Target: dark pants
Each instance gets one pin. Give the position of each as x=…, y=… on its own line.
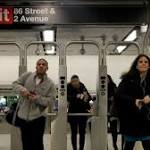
x=75, y=124
x=114, y=133
x=130, y=145
x=32, y=134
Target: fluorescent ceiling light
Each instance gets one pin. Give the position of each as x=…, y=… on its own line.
x=49, y=36
x=121, y=48
x=132, y=36
x=144, y=28
x=50, y=51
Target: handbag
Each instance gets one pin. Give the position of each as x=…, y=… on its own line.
x=11, y=116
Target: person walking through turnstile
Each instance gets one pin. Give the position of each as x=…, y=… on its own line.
x=37, y=92
x=78, y=102
x=133, y=103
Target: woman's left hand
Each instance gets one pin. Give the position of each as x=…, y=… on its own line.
x=146, y=100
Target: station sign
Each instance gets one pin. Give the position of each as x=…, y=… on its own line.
x=27, y=15
x=39, y=15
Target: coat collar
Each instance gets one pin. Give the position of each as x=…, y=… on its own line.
x=43, y=79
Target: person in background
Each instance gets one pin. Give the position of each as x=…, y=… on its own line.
x=78, y=102
x=111, y=110
x=133, y=103
x=37, y=92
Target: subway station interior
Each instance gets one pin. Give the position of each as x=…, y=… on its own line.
x=87, y=38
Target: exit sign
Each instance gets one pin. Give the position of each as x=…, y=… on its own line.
x=6, y=15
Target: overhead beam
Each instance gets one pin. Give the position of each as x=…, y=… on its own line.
x=80, y=2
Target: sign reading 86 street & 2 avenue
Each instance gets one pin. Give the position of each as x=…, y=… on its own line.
x=25, y=15
x=39, y=15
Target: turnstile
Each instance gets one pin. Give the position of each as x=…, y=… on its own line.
x=15, y=142
x=99, y=120
x=123, y=43
x=99, y=116
x=58, y=133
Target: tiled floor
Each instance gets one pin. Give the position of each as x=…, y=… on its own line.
x=5, y=142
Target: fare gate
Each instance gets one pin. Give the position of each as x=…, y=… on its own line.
x=99, y=120
x=58, y=133
x=14, y=131
x=99, y=116
x=59, y=129
x=15, y=141
x=136, y=44
x=21, y=54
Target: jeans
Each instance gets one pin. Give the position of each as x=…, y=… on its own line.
x=75, y=124
x=32, y=134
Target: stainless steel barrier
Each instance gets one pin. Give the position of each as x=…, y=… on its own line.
x=99, y=59
x=81, y=114
x=58, y=133
x=21, y=56
x=21, y=70
x=125, y=43
x=99, y=121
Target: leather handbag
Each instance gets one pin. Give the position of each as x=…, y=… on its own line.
x=11, y=116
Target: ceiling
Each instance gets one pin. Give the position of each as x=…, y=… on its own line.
x=112, y=32
x=65, y=34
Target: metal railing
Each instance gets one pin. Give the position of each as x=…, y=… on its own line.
x=122, y=43
x=21, y=56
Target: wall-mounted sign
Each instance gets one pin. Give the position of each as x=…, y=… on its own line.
x=38, y=15
x=26, y=15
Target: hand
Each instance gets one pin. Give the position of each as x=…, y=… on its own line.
x=89, y=111
x=33, y=97
x=25, y=93
x=86, y=96
x=139, y=103
x=80, y=96
x=146, y=100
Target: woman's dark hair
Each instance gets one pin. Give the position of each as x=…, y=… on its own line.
x=133, y=69
x=74, y=77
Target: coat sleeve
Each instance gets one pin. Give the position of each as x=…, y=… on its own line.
x=18, y=85
x=123, y=99
x=89, y=97
x=85, y=89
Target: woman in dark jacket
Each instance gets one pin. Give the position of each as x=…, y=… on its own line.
x=133, y=103
x=78, y=102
